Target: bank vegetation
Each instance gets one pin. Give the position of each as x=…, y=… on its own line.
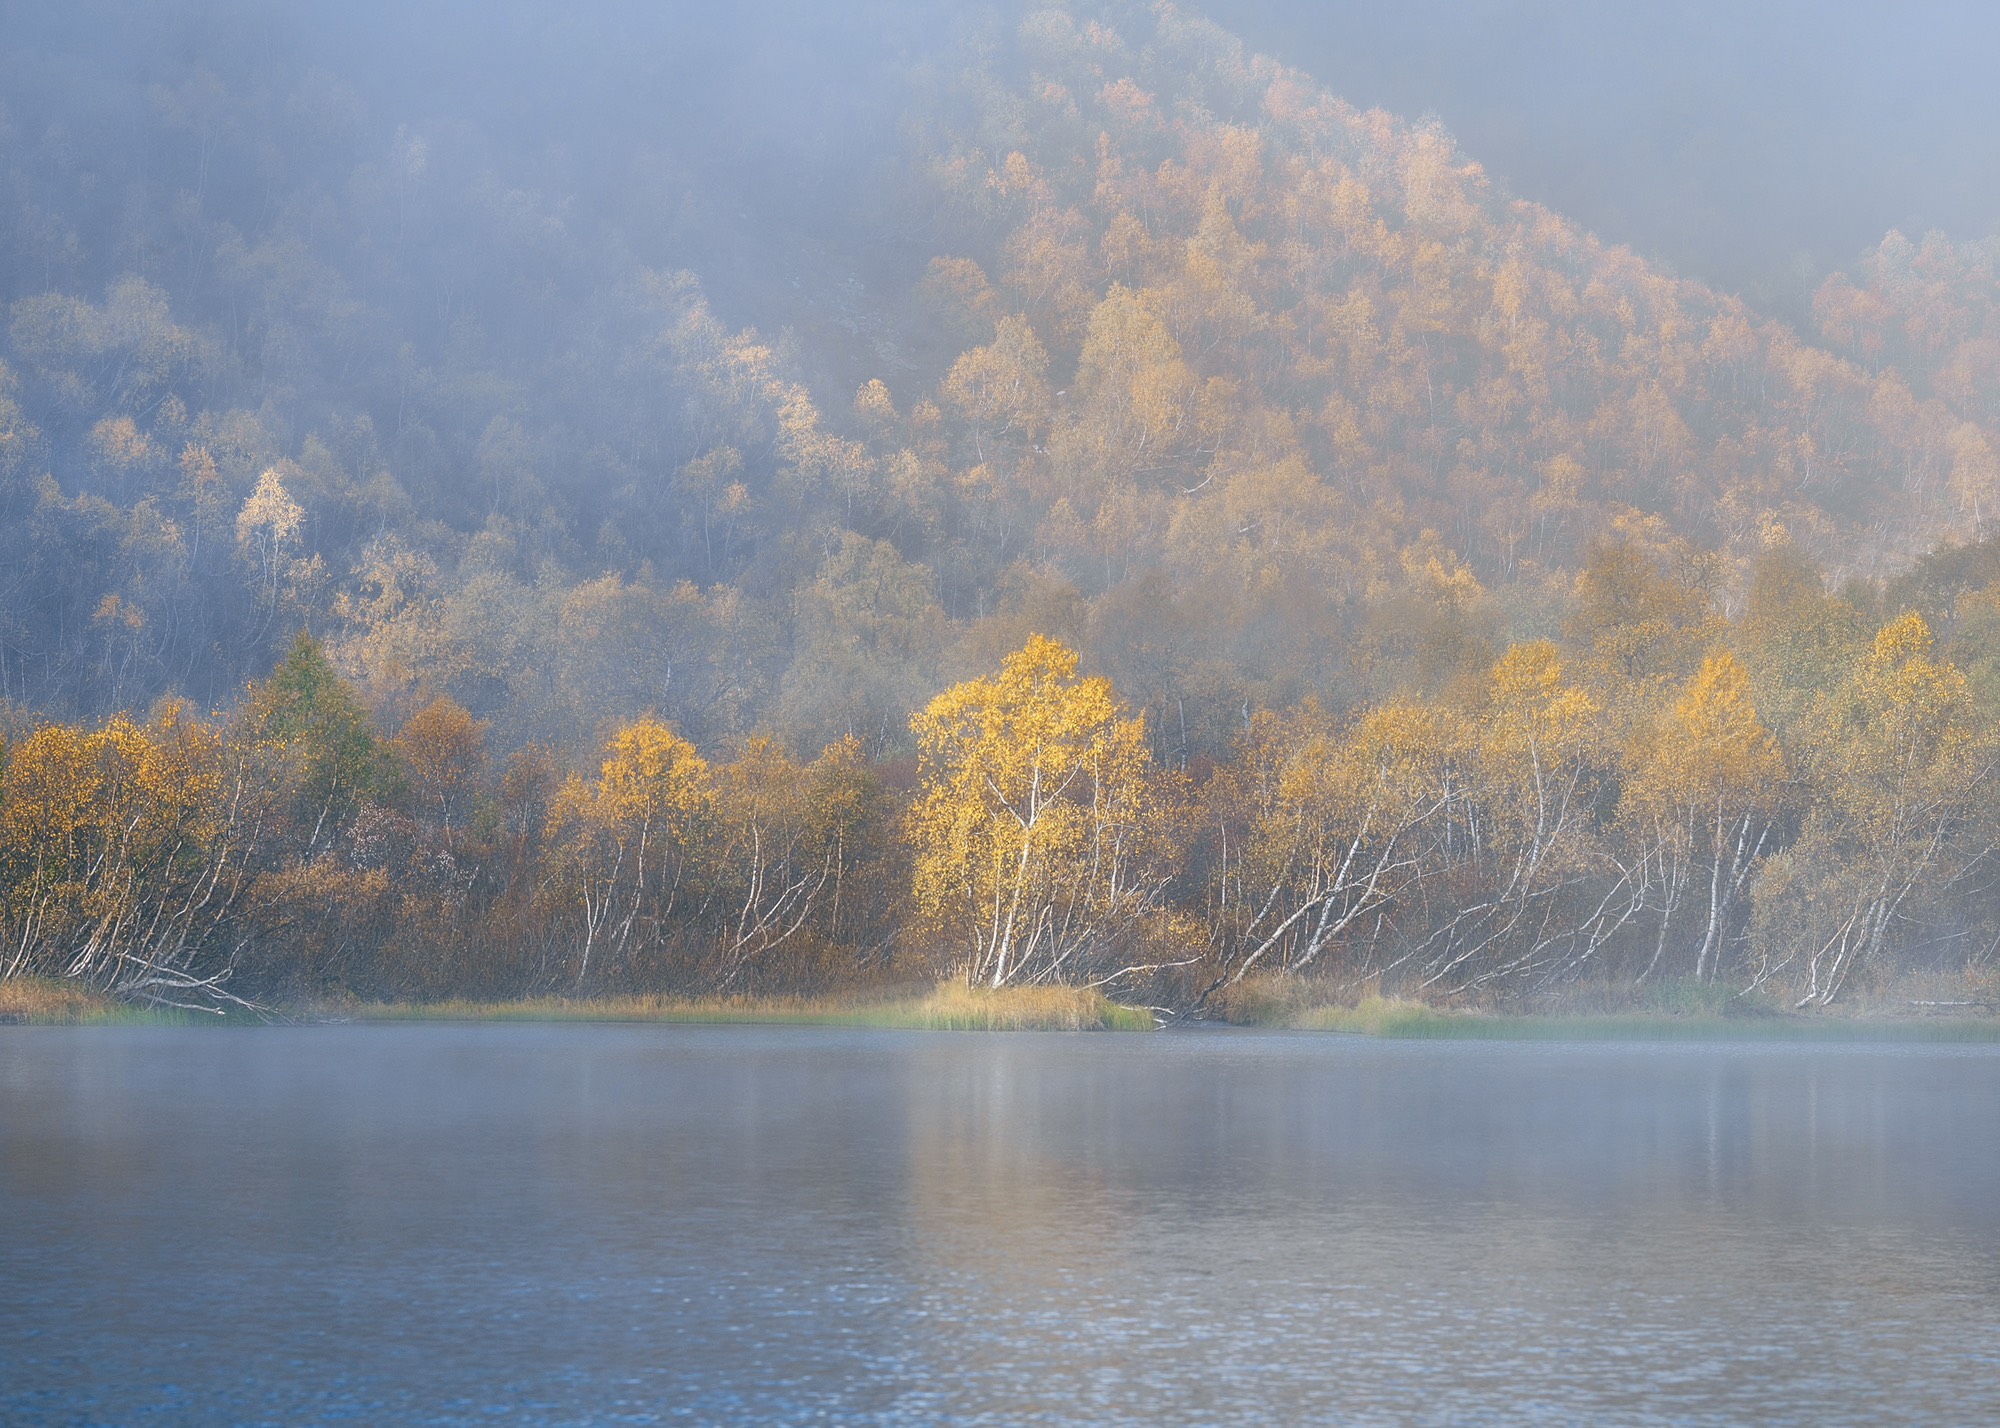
x=1793, y=809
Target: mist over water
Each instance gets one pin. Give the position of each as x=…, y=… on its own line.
x=618, y=503
x=652, y=1225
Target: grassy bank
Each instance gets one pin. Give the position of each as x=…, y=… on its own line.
x=39, y=1001
x=1670, y=1014
x=951, y=1006
x=1412, y=1021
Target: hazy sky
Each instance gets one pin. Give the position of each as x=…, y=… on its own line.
x=1736, y=139
x=1753, y=143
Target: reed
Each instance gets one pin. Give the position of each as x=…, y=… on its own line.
x=950, y=1006
x=45, y=1001
x=955, y=1006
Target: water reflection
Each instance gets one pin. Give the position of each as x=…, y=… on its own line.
x=638, y=1224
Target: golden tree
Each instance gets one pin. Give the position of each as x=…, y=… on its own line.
x=121, y=857
x=443, y=749
x=1336, y=833
x=1039, y=819
x=1899, y=761
x=1514, y=877
x=793, y=841
x=268, y=534
x=1001, y=390
x=626, y=843
x=1135, y=382
x=1702, y=799
x=770, y=855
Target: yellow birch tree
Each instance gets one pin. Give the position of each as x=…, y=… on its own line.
x=627, y=841
x=1899, y=764
x=1702, y=799
x=1037, y=830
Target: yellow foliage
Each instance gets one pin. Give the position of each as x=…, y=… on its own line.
x=1002, y=388
x=443, y=747
x=1536, y=722
x=1900, y=764
x=624, y=843
x=1036, y=813
x=651, y=776
x=1136, y=376
x=651, y=779
x=1713, y=744
x=105, y=834
x=270, y=517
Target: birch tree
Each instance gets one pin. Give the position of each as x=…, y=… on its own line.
x=626, y=842
x=1701, y=805
x=1900, y=768
x=1038, y=826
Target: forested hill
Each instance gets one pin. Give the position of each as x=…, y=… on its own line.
x=1159, y=349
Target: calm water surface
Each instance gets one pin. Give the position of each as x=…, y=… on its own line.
x=459, y=1224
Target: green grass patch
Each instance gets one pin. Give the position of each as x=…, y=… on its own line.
x=1395, y=1019
x=1426, y=1024
x=799, y=1010
x=1671, y=1012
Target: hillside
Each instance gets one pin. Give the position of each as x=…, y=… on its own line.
x=1177, y=529
x=1239, y=388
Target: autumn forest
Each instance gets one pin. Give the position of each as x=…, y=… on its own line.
x=1177, y=532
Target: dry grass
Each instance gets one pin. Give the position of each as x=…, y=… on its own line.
x=954, y=1006
x=1294, y=1004
x=1381, y=1016
x=42, y=1001
x=1265, y=1000
x=951, y=1006
x=1970, y=992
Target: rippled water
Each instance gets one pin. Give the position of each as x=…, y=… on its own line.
x=603, y=1224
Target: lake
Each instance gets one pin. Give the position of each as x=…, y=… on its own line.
x=602, y=1224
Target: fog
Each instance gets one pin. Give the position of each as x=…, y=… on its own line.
x=1357, y=530
x=495, y=397
x=771, y=116
x=414, y=237
x=1755, y=145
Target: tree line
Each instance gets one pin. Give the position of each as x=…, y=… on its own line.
x=1795, y=802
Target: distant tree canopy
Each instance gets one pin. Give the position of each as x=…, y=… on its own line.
x=1550, y=820
x=1249, y=395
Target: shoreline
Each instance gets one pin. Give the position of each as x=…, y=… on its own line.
x=1648, y=1026
x=955, y=1007
x=950, y=1006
